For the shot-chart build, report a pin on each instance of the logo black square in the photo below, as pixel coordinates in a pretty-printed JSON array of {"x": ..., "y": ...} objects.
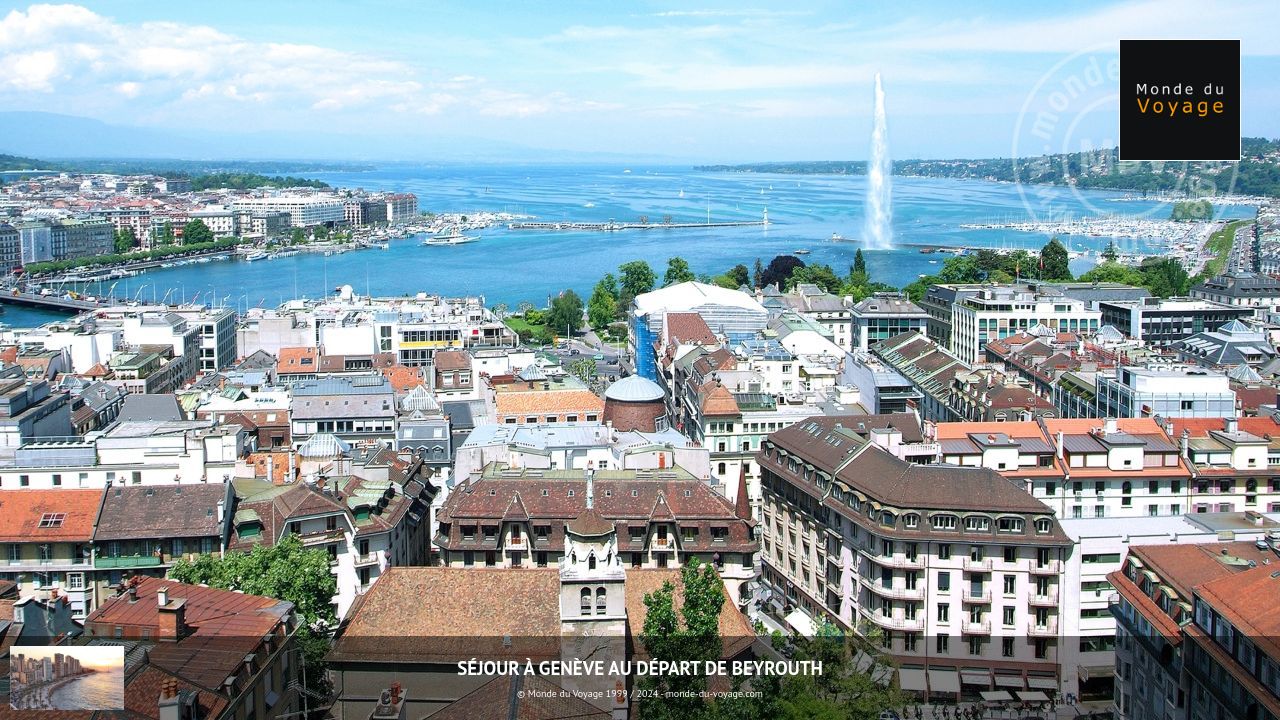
[{"x": 1179, "y": 99}]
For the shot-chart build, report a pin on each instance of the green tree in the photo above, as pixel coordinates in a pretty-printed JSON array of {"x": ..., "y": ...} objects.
[
  {"x": 297, "y": 236},
  {"x": 779, "y": 271},
  {"x": 1111, "y": 254},
  {"x": 584, "y": 368},
  {"x": 125, "y": 241},
  {"x": 677, "y": 272},
  {"x": 854, "y": 683},
  {"x": 668, "y": 639},
  {"x": 565, "y": 313},
  {"x": 821, "y": 275},
  {"x": 757, "y": 274},
  {"x": 1165, "y": 277},
  {"x": 859, "y": 262},
  {"x": 1054, "y": 261},
  {"x": 286, "y": 571},
  {"x": 501, "y": 310},
  {"x": 196, "y": 232},
  {"x": 637, "y": 278},
  {"x": 166, "y": 235},
  {"x": 602, "y": 308},
  {"x": 321, "y": 232},
  {"x": 739, "y": 275}
]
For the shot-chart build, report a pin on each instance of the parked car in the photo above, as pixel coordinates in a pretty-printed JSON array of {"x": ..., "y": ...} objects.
[{"x": 598, "y": 356}]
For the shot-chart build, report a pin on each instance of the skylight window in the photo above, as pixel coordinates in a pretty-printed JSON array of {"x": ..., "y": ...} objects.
[{"x": 52, "y": 520}]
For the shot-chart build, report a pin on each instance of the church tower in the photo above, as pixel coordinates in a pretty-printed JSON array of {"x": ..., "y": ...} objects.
[{"x": 593, "y": 605}]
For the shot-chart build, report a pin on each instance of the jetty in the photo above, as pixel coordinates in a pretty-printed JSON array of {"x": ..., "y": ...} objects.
[{"x": 614, "y": 226}]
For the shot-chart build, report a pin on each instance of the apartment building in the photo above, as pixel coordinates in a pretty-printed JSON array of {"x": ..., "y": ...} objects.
[
  {"x": 1195, "y": 629},
  {"x": 958, "y": 568},
  {"x": 30, "y": 410},
  {"x": 1255, "y": 291},
  {"x": 352, "y": 408},
  {"x": 813, "y": 303},
  {"x": 10, "y": 248},
  {"x": 996, "y": 312},
  {"x": 48, "y": 543},
  {"x": 723, "y": 311},
  {"x": 517, "y": 517},
  {"x": 1163, "y": 321},
  {"x": 304, "y": 210},
  {"x": 1235, "y": 463},
  {"x": 930, "y": 368},
  {"x": 401, "y": 207},
  {"x": 882, "y": 316}
]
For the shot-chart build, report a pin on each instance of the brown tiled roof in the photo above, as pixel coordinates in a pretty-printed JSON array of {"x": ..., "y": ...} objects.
[
  {"x": 143, "y": 690},
  {"x": 589, "y": 524},
  {"x": 1183, "y": 566},
  {"x": 163, "y": 511},
  {"x": 22, "y": 513},
  {"x": 279, "y": 467},
  {"x": 98, "y": 371},
  {"x": 452, "y": 360},
  {"x": 402, "y": 378},
  {"x": 688, "y": 328},
  {"x": 297, "y": 360},
  {"x": 736, "y": 632},
  {"x": 1248, "y": 600},
  {"x": 1200, "y": 427},
  {"x": 717, "y": 400},
  {"x": 549, "y": 402}
]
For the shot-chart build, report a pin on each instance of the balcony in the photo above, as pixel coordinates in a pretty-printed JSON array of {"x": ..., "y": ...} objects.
[
  {"x": 517, "y": 543},
  {"x": 50, "y": 564},
  {"x": 893, "y": 561},
  {"x": 1043, "y": 600},
  {"x": 1048, "y": 628},
  {"x": 128, "y": 561},
  {"x": 1052, "y": 567},
  {"x": 896, "y": 593},
  {"x": 367, "y": 559},
  {"x": 323, "y": 537},
  {"x": 663, "y": 544},
  {"x": 897, "y": 623},
  {"x": 982, "y": 627},
  {"x": 972, "y": 565}
]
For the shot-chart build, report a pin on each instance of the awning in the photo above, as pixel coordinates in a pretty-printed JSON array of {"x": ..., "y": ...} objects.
[
  {"x": 801, "y": 623},
  {"x": 1014, "y": 681},
  {"x": 944, "y": 681},
  {"x": 996, "y": 696},
  {"x": 1044, "y": 683},
  {"x": 911, "y": 679},
  {"x": 1033, "y": 696},
  {"x": 976, "y": 677}
]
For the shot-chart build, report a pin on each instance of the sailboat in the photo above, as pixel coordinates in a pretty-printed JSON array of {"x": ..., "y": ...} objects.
[{"x": 681, "y": 192}]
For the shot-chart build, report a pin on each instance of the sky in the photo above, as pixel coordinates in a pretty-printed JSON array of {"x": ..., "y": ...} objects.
[{"x": 701, "y": 81}]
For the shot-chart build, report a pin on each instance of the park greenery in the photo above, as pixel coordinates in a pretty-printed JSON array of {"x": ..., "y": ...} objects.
[
  {"x": 158, "y": 253},
  {"x": 249, "y": 181},
  {"x": 288, "y": 571}
]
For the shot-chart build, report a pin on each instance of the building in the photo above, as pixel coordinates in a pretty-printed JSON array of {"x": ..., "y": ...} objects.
[
  {"x": 207, "y": 653},
  {"x": 996, "y": 312},
  {"x": 451, "y": 374},
  {"x": 635, "y": 403},
  {"x": 10, "y": 248},
  {"x": 1164, "y": 390},
  {"x": 133, "y": 216},
  {"x": 1260, "y": 293},
  {"x": 65, "y": 239},
  {"x": 517, "y": 516},
  {"x": 304, "y": 210},
  {"x": 401, "y": 207},
  {"x": 264, "y": 223},
  {"x": 143, "y": 530},
  {"x": 882, "y": 316},
  {"x": 1229, "y": 346},
  {"x": 1164, "y": 321},
  {"x": 929, "y": 367},
  {"x": 958, "y": 568},
  {"x": 222, "y": 222},
  {"x": 47, "y": 537},
  {"x": 1195, "y": 629},
  {"x": 880, "y": 388},
  {"x": 1235, "y": 463},
  {"x": 724, "y": 311},
  {"x": 30, "y": 410},
  {"x": 366, "y": 523},
  {"x": 352, "y": 408},
  {"x": 828, "y": 310},
  {"x": 531, "y": 397}
]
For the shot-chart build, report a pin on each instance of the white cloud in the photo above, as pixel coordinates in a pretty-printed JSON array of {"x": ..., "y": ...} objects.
[
  {"x": 29, "y": 71},
  {"x": 129, "y": 89}
]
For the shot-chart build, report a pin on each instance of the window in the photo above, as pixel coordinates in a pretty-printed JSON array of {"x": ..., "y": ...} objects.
[
  {"x": 942, "y": 644},
  {"x": 1043, "y": 526},
  {"x": 490, "y": 558},
  {"x": 944, "y": 613},
  {"x": 1011, "y": 525},
  {"x": 944, "y": 551},
  {"x": 1010, "y": 554},
  {"x": 24, "y": 481},
  {"x": 585, "y": 602},
  {"x": 1008, "y": 617},
  {"x": 944, "y": 581},
  {"x": 1006, "y": 646},
  {"x": 51, "y": 520},
  {"x": 1010, "y": 584},
  {"x": 57, "y": 480},
  {"x": 601, "y": 603}
]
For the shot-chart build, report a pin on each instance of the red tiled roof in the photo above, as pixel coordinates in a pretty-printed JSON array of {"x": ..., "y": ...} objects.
[
  {"x": 452, "y": 360},
  {"x": 1200, "y": 427},
  {"x": 688, "y": 328},
  {"x": 33, "y": 515},
  {"x": 297, "y": 360},
  {"x": 402, "y": 378}
]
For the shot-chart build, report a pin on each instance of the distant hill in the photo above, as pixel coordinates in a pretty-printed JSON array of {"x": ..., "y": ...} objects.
[
  {"x": 1259, "y": 170},
  {"x": 15, "y": 162}
]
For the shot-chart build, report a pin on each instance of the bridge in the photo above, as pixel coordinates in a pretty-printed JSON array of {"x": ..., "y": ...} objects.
[{"x": 52, "y": 302}]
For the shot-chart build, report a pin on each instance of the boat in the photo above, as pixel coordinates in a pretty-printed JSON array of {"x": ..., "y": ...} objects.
[
  {"x": 836, "y": 237},
  {"x": 802, "y": 252},
  {"x": 589, "y": 205},
  {"x": 255, "y": 255},
  {"x": 928, "y": 250},
  {"x": 451, "y": 238}
]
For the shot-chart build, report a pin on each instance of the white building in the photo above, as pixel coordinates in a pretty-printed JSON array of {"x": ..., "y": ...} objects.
[
  {"x": 1164, "y": 390},
  {"x": 997, "y": 312},
  {"x": 304, "y": 210}
]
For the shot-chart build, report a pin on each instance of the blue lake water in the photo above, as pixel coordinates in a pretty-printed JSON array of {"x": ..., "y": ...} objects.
[{"x": 514, "y": 265}]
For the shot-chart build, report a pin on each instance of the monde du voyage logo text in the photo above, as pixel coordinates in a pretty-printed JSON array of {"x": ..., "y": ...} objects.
[{"x": 1179, "y": 100}]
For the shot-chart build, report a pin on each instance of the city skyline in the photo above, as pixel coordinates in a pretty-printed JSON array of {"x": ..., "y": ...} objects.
[{"x": 712, "y": 82}]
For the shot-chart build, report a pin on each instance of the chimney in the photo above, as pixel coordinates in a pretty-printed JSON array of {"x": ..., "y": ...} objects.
[
  {"x": 170, "y": 707},
  {"x": 162, "y": 596},
  {"x": 222, "y": 510},
  {"x": 1232, "y": 424},
  {"x": 133, "y": 594},
  {"x": 391, "y": 704},
  {"x": 1185, "y": 443},
  {"x": 173, "y": 620},
  {"x": 591, "y": 486},
  {"x": 1059, "y": 445},
  {"x": 1110, "y": 426}
]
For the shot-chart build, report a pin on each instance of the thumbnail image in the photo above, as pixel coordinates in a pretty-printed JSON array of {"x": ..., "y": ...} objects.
[{"x": 66, "y": 678}]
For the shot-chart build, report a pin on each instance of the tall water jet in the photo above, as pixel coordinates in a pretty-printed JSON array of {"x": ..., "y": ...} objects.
[{"x": 877, "y": 234}]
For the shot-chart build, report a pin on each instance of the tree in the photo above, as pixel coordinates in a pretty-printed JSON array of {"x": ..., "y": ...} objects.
[
  {"x": 501, "y": 310},
  {"x": 125, "y": 241},
  {"x": 1110, "y": 254},
  {"x": 297, "y": 236},
  {"x": 667, "y": 639},
  {"x": 523, "y": 308},
  {"x": 779, "y": 271},
  {"x": 821, "y": 275},
  {"x": 859, "y": 262},
  {"x": 739, "y": 275},
  {"x": 166, "y": 235},
  {"x": 1054, "y": 261},
  {"x": 565, "y": 313},
  {"x": 196, "y": 232},
  {"x": 757, "y": 274},
  {"x": 286, "y": 571},
  {"x": 677, "y": 272},
  {"x": 854, "y": 682},
  {"x": 321, "y": 232},
  {"x": 584, "y": 368},
  {"x": 1113, "y": 272},
  {"x": 637, "y": 278},
  {"x": 602, "y": 308},
  {"x": 1165, "y": 277}
]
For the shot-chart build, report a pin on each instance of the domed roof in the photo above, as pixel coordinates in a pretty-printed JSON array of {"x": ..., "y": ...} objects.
[
  {"x": 634, "y": 388},
  {"x": 323, "y": 445}
]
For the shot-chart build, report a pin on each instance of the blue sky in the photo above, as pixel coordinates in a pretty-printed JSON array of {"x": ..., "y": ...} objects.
[{"x": 689, "y": 80}]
